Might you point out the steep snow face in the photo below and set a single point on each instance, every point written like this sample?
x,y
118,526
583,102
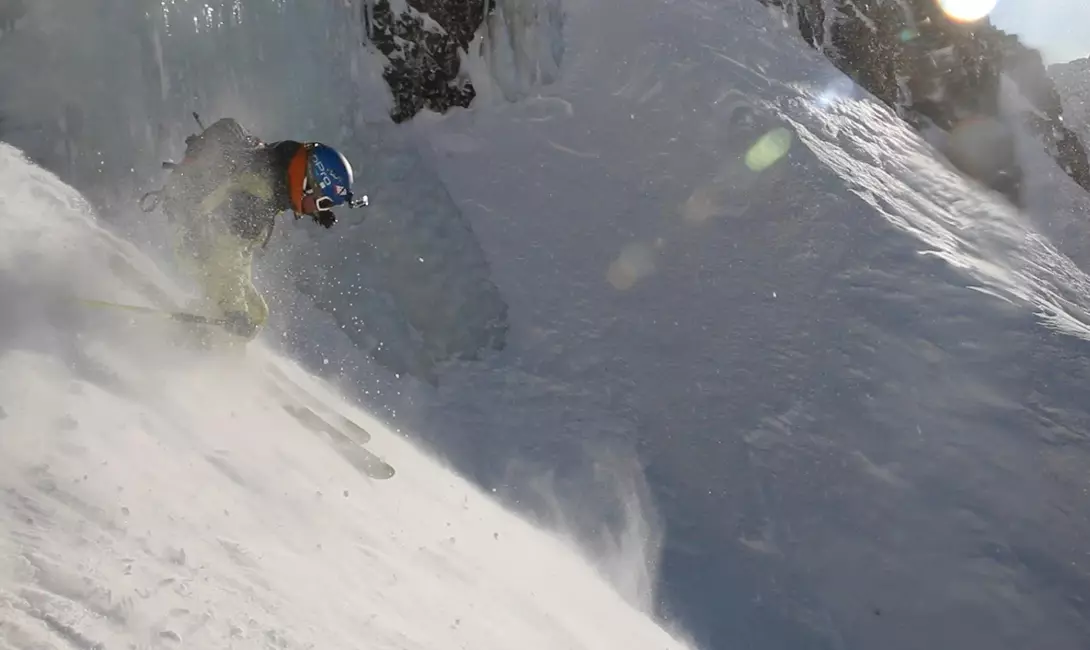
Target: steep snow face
x,y
154,497
855,379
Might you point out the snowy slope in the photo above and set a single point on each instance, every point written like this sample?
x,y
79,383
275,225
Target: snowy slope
x,y
153,497
854,382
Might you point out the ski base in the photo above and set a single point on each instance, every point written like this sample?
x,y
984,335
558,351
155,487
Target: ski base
x,y
350,448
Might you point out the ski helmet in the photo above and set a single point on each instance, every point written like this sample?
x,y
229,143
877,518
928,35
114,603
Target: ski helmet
x,y
329,173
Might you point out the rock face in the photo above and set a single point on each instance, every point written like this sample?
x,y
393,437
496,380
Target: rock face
x,y
942,75
10,12
422,44
1073,83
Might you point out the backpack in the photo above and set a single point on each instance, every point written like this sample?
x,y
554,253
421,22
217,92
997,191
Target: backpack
x,y
225,139
212,157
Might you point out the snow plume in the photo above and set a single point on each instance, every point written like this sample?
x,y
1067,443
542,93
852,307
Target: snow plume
x,y
605,508
51,251
155,496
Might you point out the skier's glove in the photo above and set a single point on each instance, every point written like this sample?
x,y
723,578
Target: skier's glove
x,y
325,218
239,324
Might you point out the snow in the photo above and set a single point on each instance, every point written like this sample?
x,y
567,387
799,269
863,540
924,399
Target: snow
x,y
518,50
153,498
835,366
783,377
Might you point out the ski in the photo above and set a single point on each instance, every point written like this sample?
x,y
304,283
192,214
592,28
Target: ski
x,y
180,316
289,386
359,435
352,450
346,436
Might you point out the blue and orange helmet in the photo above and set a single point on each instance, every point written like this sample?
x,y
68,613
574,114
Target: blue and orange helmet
x,y
320,178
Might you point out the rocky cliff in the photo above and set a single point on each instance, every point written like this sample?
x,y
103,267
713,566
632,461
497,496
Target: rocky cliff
x,y
946,78
10,12
421,42
1073,83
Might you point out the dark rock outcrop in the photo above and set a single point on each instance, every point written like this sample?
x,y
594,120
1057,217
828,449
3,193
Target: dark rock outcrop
x,y
942,76
937,73
421,45
1072,80
10,13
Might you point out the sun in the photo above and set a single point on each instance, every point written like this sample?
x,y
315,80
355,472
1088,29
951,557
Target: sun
x,y
966,10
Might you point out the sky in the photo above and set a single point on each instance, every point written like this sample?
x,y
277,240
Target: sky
x,y
1061,31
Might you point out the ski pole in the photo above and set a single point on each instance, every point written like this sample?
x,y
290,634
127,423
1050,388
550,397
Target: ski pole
x,y
184,317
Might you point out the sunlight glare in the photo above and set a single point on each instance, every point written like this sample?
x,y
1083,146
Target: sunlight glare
x,y
967,10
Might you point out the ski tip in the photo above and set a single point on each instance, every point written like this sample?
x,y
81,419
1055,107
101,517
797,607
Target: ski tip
x,y
363,434
383,474
367,462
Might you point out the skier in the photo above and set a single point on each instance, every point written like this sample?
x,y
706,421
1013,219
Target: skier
x,y
223,199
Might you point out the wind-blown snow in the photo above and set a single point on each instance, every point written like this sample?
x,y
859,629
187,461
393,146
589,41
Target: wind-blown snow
x,y
153,498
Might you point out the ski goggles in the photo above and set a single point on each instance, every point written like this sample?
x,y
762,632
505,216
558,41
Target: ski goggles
x,y
313,203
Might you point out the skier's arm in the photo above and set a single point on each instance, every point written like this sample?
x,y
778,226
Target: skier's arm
x,y
248,182
216,198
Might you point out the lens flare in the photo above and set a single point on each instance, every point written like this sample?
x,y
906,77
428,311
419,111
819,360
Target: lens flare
x,y
768,149
636,261
967,10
